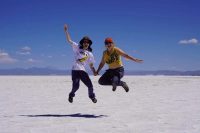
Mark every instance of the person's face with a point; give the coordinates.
(109, 45)
(85, 44)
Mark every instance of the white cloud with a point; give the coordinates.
(190, 41)
(25, 50)
(33, 61)
(6, 59)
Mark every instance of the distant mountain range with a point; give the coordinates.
(34, 71)
(50, 71)
(165, 72)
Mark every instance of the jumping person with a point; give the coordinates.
(83, 56)
(112, 57)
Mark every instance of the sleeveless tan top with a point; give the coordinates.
(113, 59)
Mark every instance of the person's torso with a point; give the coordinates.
(82, 58)
(113, 59)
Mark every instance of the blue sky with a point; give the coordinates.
(164, 33)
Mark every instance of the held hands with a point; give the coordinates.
(95, 73)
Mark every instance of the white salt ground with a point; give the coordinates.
(154, 104)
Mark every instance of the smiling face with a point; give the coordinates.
(109, 45)
(86, 44)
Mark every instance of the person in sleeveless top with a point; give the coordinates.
(112, 57)
(82, 56)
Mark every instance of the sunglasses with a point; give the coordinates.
(85, 41)
(107, 43)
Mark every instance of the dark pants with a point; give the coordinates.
(112, 76)
(78, 75)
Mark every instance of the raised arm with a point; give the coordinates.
(102, 63)
(125, 55)
(67, 34)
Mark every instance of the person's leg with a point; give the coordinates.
(120, 75)
(122, 83)
(116, 80)
(125, 86)
(87, 81)
(106, 78)
(75, 84)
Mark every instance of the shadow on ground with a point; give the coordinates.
(79, 115)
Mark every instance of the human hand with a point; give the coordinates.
(65, 27)
(95, 73)
(139, 60)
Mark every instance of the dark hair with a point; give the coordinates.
(89, 47)
(81, 43)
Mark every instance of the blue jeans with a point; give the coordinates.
(78, 75)
(112, 76)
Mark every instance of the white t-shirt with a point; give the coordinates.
(82, 57)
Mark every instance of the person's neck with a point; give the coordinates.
(110, 50)
(84, 48)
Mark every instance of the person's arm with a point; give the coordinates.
(102, 63)
(125, 55)
(93, 69)
(67, 34)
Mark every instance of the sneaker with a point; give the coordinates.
(125, 86)
(114, 87)
(70, 99)
(94, 100)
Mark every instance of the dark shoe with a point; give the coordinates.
(94, 100)
(114, 87)
(70, 99)
(125, 86)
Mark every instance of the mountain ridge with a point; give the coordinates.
(53, 71)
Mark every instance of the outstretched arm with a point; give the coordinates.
(125, 55)
(67, 34)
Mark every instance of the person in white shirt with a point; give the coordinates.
(83, 56)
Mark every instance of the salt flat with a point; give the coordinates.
(154, 104)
